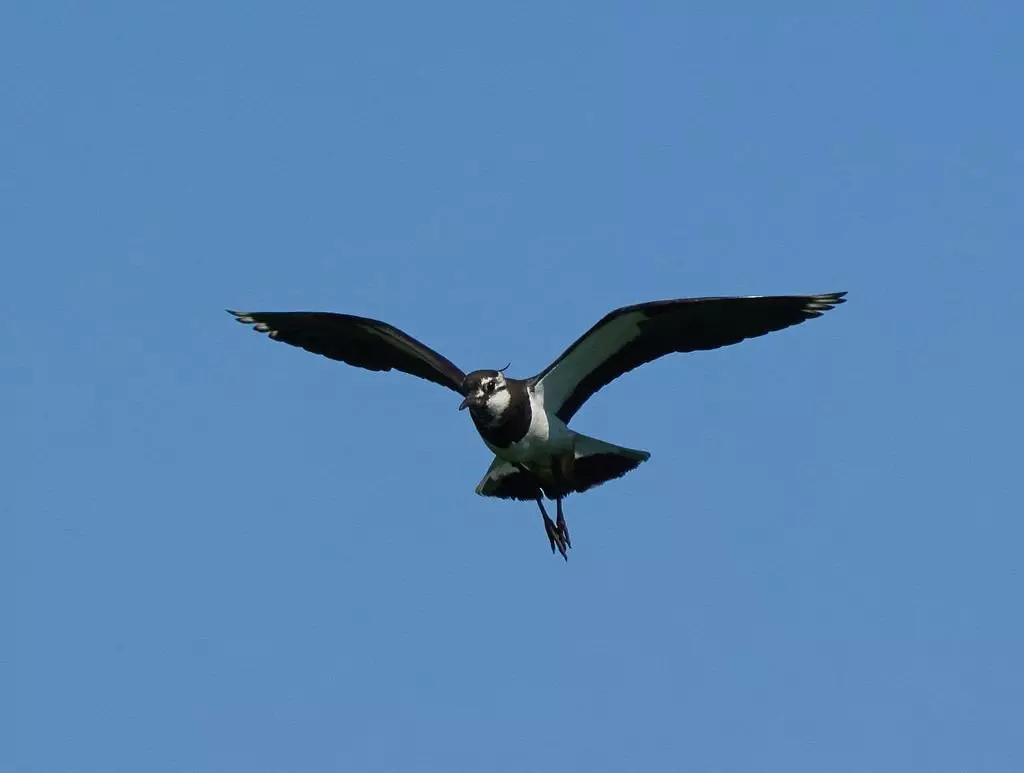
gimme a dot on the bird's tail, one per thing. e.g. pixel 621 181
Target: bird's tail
pixel 595 462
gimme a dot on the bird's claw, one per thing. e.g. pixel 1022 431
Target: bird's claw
pixel 562 529
pixel 558 536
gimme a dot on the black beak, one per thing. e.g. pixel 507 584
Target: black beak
pixel 466 402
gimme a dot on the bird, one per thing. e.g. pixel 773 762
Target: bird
pixel 525 422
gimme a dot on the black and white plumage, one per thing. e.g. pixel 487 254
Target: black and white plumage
pixel 524 422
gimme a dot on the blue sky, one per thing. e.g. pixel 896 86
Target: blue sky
pixel 219 553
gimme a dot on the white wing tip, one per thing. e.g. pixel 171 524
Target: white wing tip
pixel 246 318
pixel 818 304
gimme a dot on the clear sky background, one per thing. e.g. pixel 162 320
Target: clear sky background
pixel 220 553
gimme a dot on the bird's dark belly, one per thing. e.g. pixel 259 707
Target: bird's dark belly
pixel 512 427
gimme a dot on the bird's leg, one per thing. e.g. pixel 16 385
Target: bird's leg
pixel 560 524
pixel 555 535
pixel 561 470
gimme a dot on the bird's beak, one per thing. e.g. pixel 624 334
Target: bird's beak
pixel 466 401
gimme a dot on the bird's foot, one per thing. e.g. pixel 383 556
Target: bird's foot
pixel 562 528
pixel 558 536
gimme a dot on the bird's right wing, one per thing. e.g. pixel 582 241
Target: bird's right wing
pixel 365 343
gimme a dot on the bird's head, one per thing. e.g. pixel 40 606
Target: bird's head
pixel 486 391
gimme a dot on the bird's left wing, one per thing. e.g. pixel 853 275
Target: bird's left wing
pixel 365 343
pixel 633 335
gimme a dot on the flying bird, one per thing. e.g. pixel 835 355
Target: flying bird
pixel 524 422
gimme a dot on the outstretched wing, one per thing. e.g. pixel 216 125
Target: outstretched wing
pixel 365 343
pixel 628 337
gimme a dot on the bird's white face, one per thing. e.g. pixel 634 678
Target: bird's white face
pixel 487 394
pixel 494 394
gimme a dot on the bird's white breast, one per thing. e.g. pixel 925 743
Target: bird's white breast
pixel 547 437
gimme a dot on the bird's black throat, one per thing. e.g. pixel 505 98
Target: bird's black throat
pixel 513 423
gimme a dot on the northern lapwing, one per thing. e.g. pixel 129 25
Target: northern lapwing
pixel 524 422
